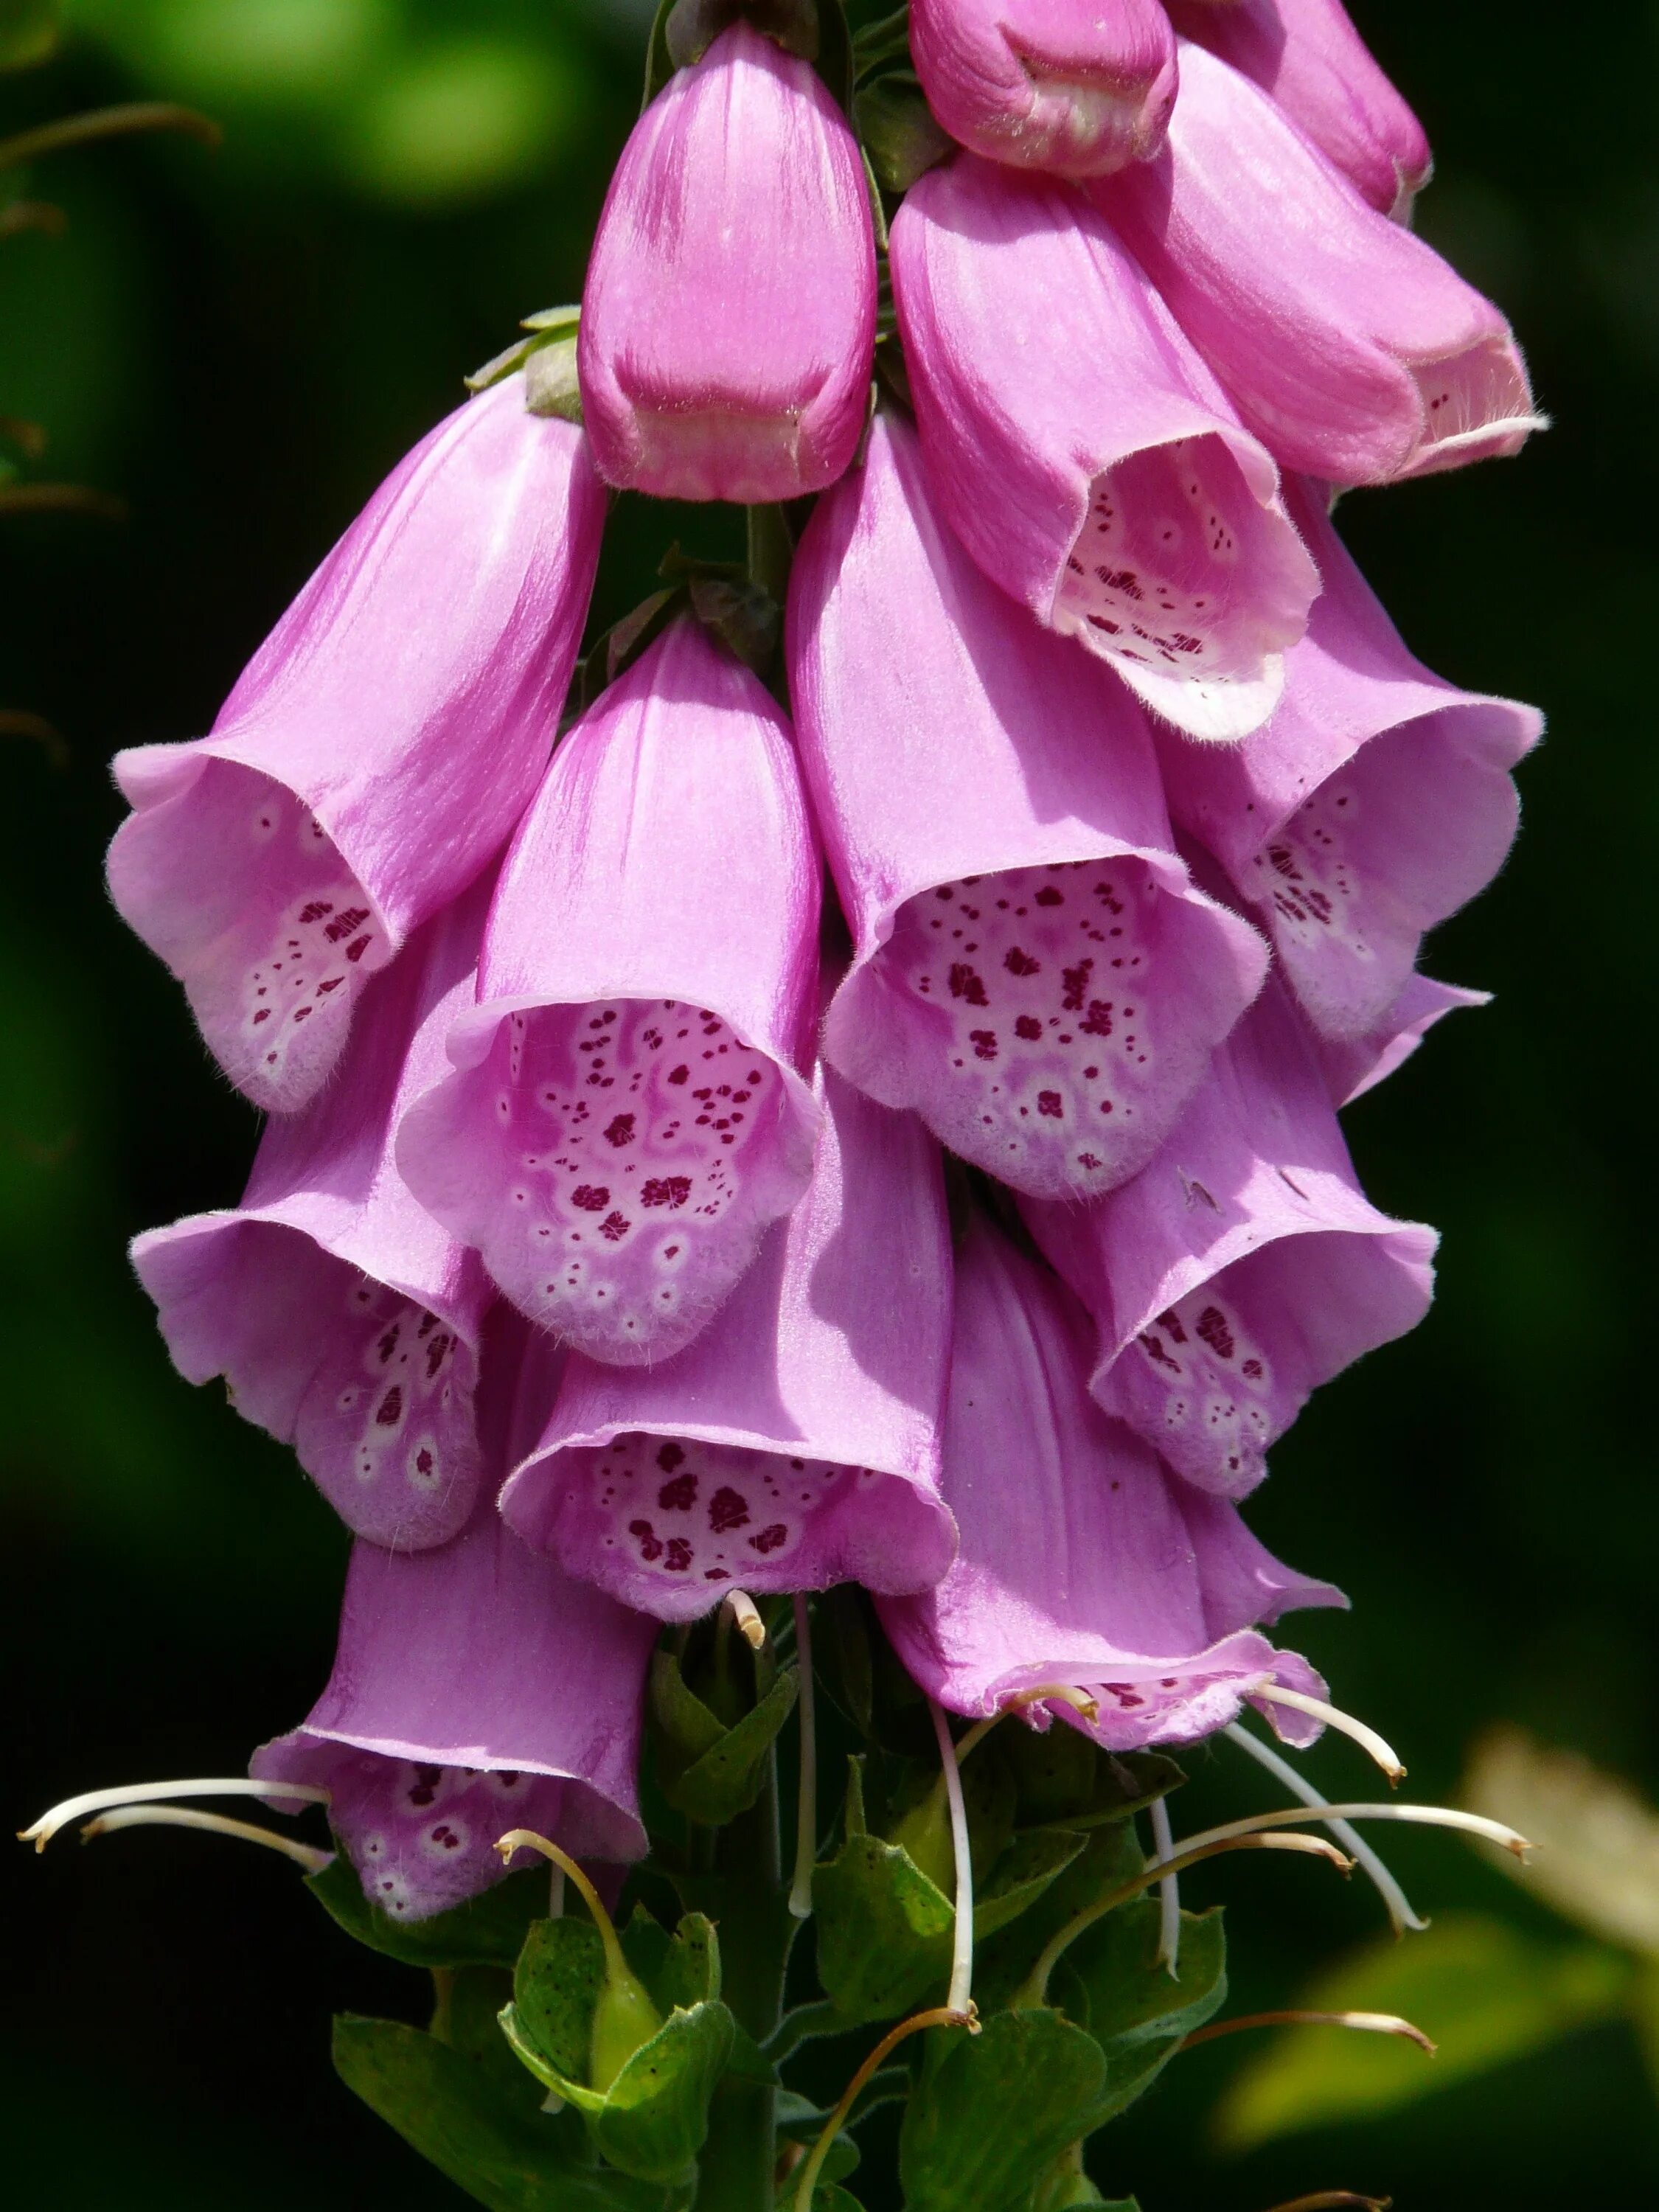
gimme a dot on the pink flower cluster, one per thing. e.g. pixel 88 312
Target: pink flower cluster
pixel 642 1216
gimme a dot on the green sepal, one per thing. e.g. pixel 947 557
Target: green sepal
pixel 1134 2009
pixel 1061 1777
pixel 652 2119
pixel 548 329
pixel 996 2110
pixel 708 1772
pixel 504 2154
pixel 1111 1855
pixel 897 130
pixel 884 1928
pixel 488 1930
pixel 691 27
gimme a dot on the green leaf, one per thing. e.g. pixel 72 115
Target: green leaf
pixel 28 32
pixel 487 1931
pixel 884 1931
pixel 1027 1867
pixel 1486 1994
pixel 725 1780
pixel 1134 2009
pixel 450 2111
pixel 995 2113
pixel 467 2016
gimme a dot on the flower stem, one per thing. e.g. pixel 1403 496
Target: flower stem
pixel 806 1802
pixel 1369 2023
pixel 100 123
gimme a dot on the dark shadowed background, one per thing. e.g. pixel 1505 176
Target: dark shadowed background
pixel 240 345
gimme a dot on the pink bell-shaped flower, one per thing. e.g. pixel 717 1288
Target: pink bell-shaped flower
pixel 729 317
pixel 377 751
pixel 1077 87
pixel 1035 973
pixel 1308 56
pixel 342 1318
pixel 1349 347
pixel 796 1442
pixel 475 1688
pixel 1085 455
pixel 626 1113
pixel 1243 1267
pixel 1086 1569
pixel 1375 803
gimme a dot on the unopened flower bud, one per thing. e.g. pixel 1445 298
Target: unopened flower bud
pixel 1079 86
pixel 728 323
pixel 1307 54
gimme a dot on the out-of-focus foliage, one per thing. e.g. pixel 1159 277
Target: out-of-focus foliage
pixel 240 346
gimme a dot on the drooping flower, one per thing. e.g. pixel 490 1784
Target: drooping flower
pixel 345 1320
pixel 377 751
pixel 626 1114
pixel 1377 800
pixel 1077 87
pixel 1308 56
pixel 1087 1571
pixel 1035 973
pixel 475 1689
pixel 1243 1267
pixel 1084 453
pixel 1349 347
pixel 794 1444
pixel 729 318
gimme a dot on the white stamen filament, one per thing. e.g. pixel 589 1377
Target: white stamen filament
pixel 1367 1738
pixel 1425 1816
pixel 1368 2023
pixel 962 1950
pixel 1393 1897
pixel 1168 1893
pixel 806 1813
pixel 184 1816
pixel 146 1793
pixel 746 1615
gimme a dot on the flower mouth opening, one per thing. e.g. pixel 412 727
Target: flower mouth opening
pixel 235 883
pixel 1042 1034
pixel 1475 404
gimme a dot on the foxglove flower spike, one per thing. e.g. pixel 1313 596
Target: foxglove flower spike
pixel 1033 972
pixel 377 751
pixel 1084 453
pixel 626 1117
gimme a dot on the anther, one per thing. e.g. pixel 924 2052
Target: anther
pixel 1367 1738
pixel 146 1793
pixel 746 1615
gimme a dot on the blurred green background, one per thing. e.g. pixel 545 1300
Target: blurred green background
pixel 240 345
